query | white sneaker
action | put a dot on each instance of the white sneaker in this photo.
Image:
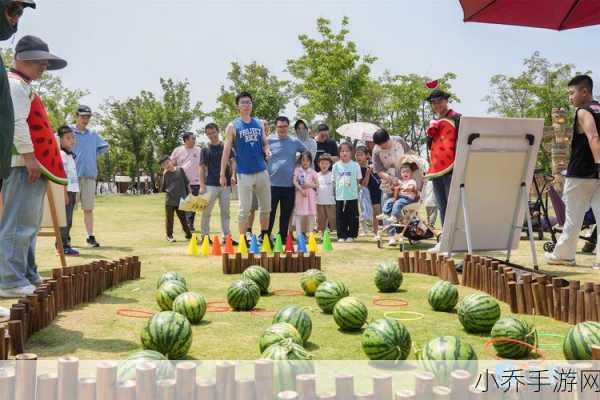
(170, 239)
(17, 292)
(554, 260)
(392, 241)
(349, 240)
(341, 240)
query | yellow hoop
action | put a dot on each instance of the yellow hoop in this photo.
(417, 315)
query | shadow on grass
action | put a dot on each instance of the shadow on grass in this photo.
(311, 346)
(351, 333)
(56, 341)
(108, 299)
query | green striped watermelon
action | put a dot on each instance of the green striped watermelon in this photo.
(445, 354)
(167, 292)
(285, 373)
(512, 327)
(386, 339)
(443, 296)
(171, 276)
(168, 333)
(258, 275)
(388, 277)
(286, 350)
(127, 369)
(580, 339)
(243, 295)
(310, 281)
(328, 293)
(279, 332)
(350, 314)
(191, 305)
(297, 317)
(478, 313)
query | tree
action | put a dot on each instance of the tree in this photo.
(60, 101)
(270, 94)
(541, 87)
(331, 77)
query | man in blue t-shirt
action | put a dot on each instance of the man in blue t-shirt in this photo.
(281, 170)
(248, 135)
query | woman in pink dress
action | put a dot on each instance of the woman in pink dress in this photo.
(306, 183)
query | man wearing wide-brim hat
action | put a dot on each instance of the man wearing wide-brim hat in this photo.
(10, 13)
(35, 160)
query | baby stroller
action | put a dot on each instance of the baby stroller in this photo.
(410, 227)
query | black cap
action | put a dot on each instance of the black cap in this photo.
(437, 94)
(322, 127)
(163, 159)
(28, 3)
(84, 110)
(32, 48)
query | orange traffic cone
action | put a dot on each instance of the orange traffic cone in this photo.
(229, 249)
(216, 246)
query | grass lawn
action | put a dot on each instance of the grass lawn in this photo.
(127, 225)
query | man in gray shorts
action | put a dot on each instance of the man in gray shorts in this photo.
(248, 135)
(88, 146)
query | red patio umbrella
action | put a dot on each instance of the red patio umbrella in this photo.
(550, 14)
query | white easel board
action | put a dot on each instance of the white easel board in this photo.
(494, 166)
(59, 199)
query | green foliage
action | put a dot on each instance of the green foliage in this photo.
(270, 94)
(331, 76)
(60, 101)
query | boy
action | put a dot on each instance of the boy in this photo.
(67, 142)
(176, 185)
(582, 186)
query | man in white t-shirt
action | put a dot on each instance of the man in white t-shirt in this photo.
(67, 142)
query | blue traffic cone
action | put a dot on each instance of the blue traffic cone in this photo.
(302, 243)
(254, 249)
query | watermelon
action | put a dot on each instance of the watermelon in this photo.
(285, 373)
(297, 317)
(328, 293)
(286, 350)
(443, 296)
(445, 354)
(580, 339)
(258, 275)
(167, 292)
(512, 327)
(388, 277)
(191, 305)
(350, 314)
(171, 276)
(310, 281)
(279, 332)
(386, 339)
(169, 333)
(443, 145)
(243, 295)
(478, 313)
(127, 369)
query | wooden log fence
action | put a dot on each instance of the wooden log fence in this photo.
(24, 383)
(68, 288)
(437, 265)
(275, 263)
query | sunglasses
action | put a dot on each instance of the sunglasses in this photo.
(15, 9)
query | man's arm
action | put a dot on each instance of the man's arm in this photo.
(265, 138)
(227, 146)
(233, 171)
(586, 122)
(101, 145)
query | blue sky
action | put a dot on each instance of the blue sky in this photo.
(117, 48)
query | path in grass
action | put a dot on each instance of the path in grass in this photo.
(135, 226)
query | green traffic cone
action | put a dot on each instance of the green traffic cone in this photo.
(327, 246)
(278, 248)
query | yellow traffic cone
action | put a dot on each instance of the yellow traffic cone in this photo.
(242, 246)
(312, 243)
(266, 244)
(205, 249)
(193, 246)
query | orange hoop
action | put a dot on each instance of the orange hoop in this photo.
(261, 312)
(218, 306)
(124, 312)
(389, 302)
(288, 292)
(533, 348)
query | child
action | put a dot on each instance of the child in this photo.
(325, 195)
(404, 193)
(67, 142)
(347, 175)
(371, 183)
(306, 183)
(176, 185)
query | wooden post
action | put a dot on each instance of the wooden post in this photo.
(206, 389)
(166, 389)
(225, 263)
(287, 395)
(573, 289)
(125, 390)
(263, 379)
(244, 389)
(106, 380)
(459, 384)
(424, 385)
(364, 396)
(595, 352)
(25, 376)
(326, 396)
(475, 393)
(538, 299)
(452, 274)
(145, 381)
(528, 294)
(512, 294)
(47, 387)
(344, 387)
(186, 380)
(276, 261)
(591, 314)
(86, 389)
(7, 387)
(564, 304)
(580, 314)
(225, 380)
(405, 395)
(521, 307)
(16, 337)
(382, 387)
(441, 393)
(550, 300)
(68, 372)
